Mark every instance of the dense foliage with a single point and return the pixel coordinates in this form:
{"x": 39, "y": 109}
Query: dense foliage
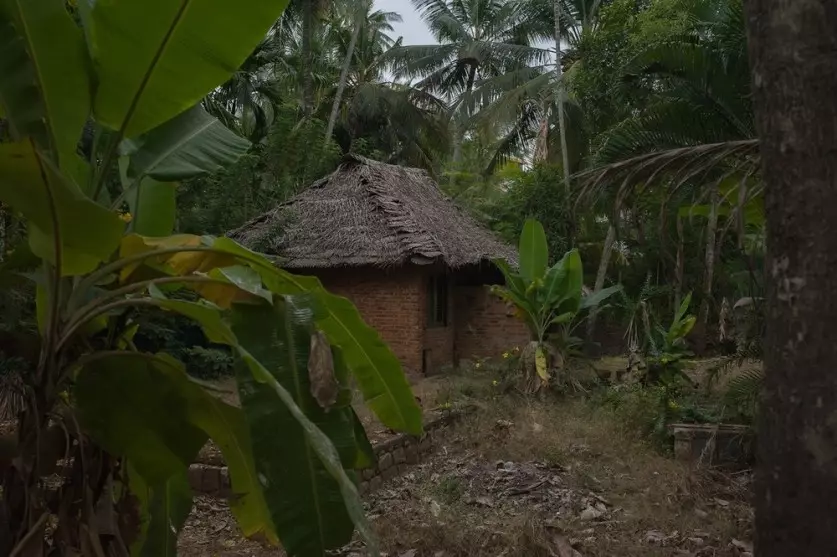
{"x": 105, "y": 419}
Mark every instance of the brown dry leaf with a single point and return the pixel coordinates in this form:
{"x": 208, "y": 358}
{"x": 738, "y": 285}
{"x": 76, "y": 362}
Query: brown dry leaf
{"x": 563, "y": 547}
{"x": 324, "y": 386}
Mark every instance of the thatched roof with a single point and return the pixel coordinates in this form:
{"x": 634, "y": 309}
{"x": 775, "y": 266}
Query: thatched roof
{"x": 371, "y": 213}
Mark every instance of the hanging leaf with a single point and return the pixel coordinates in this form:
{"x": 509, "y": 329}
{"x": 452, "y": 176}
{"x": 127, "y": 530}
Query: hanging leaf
{"x": 324, "y": 387}
{"x": 190, "y": 144}
{"x": 304, "y": 476}
{"x": 534, "y": 254}
{"x": 133, "y": 407}
{"x": 143, "y": 52}
{"x": 164, "y": 508}
{"x": 140, "y": 403}
{"x": 88, "y": 233}
{"x": 44, "y": 79}
{"x": 365, "y": 452}
{"x": 541, "y": 363}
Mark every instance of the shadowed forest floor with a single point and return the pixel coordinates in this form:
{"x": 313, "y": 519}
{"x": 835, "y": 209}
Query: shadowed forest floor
{"x": 531, "y": 478}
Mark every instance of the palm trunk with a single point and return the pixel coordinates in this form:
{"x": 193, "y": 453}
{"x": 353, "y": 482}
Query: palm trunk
{"x": 559, "y": 102}
{"x": 307, "y": 58}
{"x": 679, "y": 265}
{"x": 344, "y": 74}
{"x": 709, "y": 273}
{"x": 601, "y": 274}
{"x": 792, "y": 48}
{"x": 458, "y": 127}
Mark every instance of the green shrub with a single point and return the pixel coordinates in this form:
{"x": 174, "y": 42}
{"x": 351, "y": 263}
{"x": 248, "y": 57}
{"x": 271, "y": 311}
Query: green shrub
{"x": 208, "y": 363}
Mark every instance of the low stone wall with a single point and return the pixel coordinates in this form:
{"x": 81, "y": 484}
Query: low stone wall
{"x": 393, "y": 457}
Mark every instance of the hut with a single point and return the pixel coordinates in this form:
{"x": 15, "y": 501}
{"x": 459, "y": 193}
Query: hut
{"x": 417, "y": 268}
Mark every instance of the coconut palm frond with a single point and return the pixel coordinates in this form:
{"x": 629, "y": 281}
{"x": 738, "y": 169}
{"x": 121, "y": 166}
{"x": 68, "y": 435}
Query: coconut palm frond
{"x": 673, "y": 166}
{"x": 510, "y": 144}
{"x": 744, "y": 390}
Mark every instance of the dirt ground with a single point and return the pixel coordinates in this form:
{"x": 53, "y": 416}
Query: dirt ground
{"x": 521, "y": 478}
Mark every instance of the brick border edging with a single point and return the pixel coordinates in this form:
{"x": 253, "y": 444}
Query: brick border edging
{"x": 392, "y": 458}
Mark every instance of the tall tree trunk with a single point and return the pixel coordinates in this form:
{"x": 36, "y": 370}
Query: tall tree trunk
{"x": 601, "y": 274}
{"x": 708, "y": 273}
{"x": 307, "y": 58}
{"x": 679, "y": 265}
{"x": 360, "y": 21}
{"x": 793, "y": 55}
{"x": 559, "y": 102}
{"x": 459, "y": 116}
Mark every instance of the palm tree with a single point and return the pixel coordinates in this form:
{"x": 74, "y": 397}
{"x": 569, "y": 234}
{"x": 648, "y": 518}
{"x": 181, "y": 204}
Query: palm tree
{"x": 373, "y": 28}
{"x": 534, "y": 99}
{"x": 246, "y": 103}
{"x": 306, "y": 13}
{"x": 477, "y": 39}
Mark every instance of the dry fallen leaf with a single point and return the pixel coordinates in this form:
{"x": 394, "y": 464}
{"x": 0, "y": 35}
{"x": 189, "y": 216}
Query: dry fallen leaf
{"x": 324, "y": 386}
{"x": 564, "y": 548}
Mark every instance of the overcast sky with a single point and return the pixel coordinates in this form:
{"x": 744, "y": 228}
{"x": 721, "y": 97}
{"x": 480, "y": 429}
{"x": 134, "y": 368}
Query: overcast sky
{"x": 413, "y": 29}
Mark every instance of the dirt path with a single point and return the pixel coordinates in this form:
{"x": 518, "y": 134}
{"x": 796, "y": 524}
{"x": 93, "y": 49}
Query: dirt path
{"x": 526, "y": 479}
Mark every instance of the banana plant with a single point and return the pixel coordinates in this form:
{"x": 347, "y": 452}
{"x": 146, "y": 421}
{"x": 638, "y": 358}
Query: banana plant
{"x": 547, "y": 299}
{"x": 96, "y": 90}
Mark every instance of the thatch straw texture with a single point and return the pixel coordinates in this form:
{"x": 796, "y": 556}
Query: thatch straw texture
{"x": 371, "y": 213}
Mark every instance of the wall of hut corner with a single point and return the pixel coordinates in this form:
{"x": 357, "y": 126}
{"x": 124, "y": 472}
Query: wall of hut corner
{"x": 391, "y": 301}
{"x": 485, "y": 325}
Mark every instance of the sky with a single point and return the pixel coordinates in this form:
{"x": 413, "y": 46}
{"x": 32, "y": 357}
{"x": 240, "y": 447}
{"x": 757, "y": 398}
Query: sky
{"x": 413, "y": 29}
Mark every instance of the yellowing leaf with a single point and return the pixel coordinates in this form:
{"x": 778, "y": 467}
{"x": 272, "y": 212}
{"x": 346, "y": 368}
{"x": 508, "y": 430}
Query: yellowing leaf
{"x": 541, "y": 364}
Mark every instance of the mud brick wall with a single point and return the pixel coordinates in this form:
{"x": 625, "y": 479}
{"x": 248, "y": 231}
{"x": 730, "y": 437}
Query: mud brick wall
{"x": 394, "y": 456}
{"x": 391, "y": 301}
{"x": 486, "y": 326}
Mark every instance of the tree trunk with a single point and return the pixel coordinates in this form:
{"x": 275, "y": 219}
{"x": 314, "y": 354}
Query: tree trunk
{"x": 360, "y": 21}
{"x": 679, "y": 266}
{"x": 793, "y": 54}
{"x": 708, "y": 274}
{"x": 562, "y": 125}
{"x": 307, "y": 58}
{"x": 459, "y": 128}
{"x": 601, "y": 274}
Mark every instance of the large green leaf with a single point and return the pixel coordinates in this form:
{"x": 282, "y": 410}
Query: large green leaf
{"x": 513, "y": 280}
{"x": 556, "y": 282}
{"x": 164, "y": 508}
{"x": 133, "y": 406}
{"x": 534, "y": 253}
{"x": 153, "y": 207}
{"x": 227, "y": 427}
{"x": 571, "y": 300}
{"x": 376, "y": 369}
{"x": 189, "y": 145}
{"x": 305, "y": 482}
{"x": 88, "y": 232}
{"x": 157, "y": 58}
{"x": 44, "y": 83}
{"x": 181, "y": 414}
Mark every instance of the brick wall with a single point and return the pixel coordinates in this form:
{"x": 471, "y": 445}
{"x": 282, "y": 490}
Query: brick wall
{"x": 485, "y": 325}
{"x": 391, "y": 301}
